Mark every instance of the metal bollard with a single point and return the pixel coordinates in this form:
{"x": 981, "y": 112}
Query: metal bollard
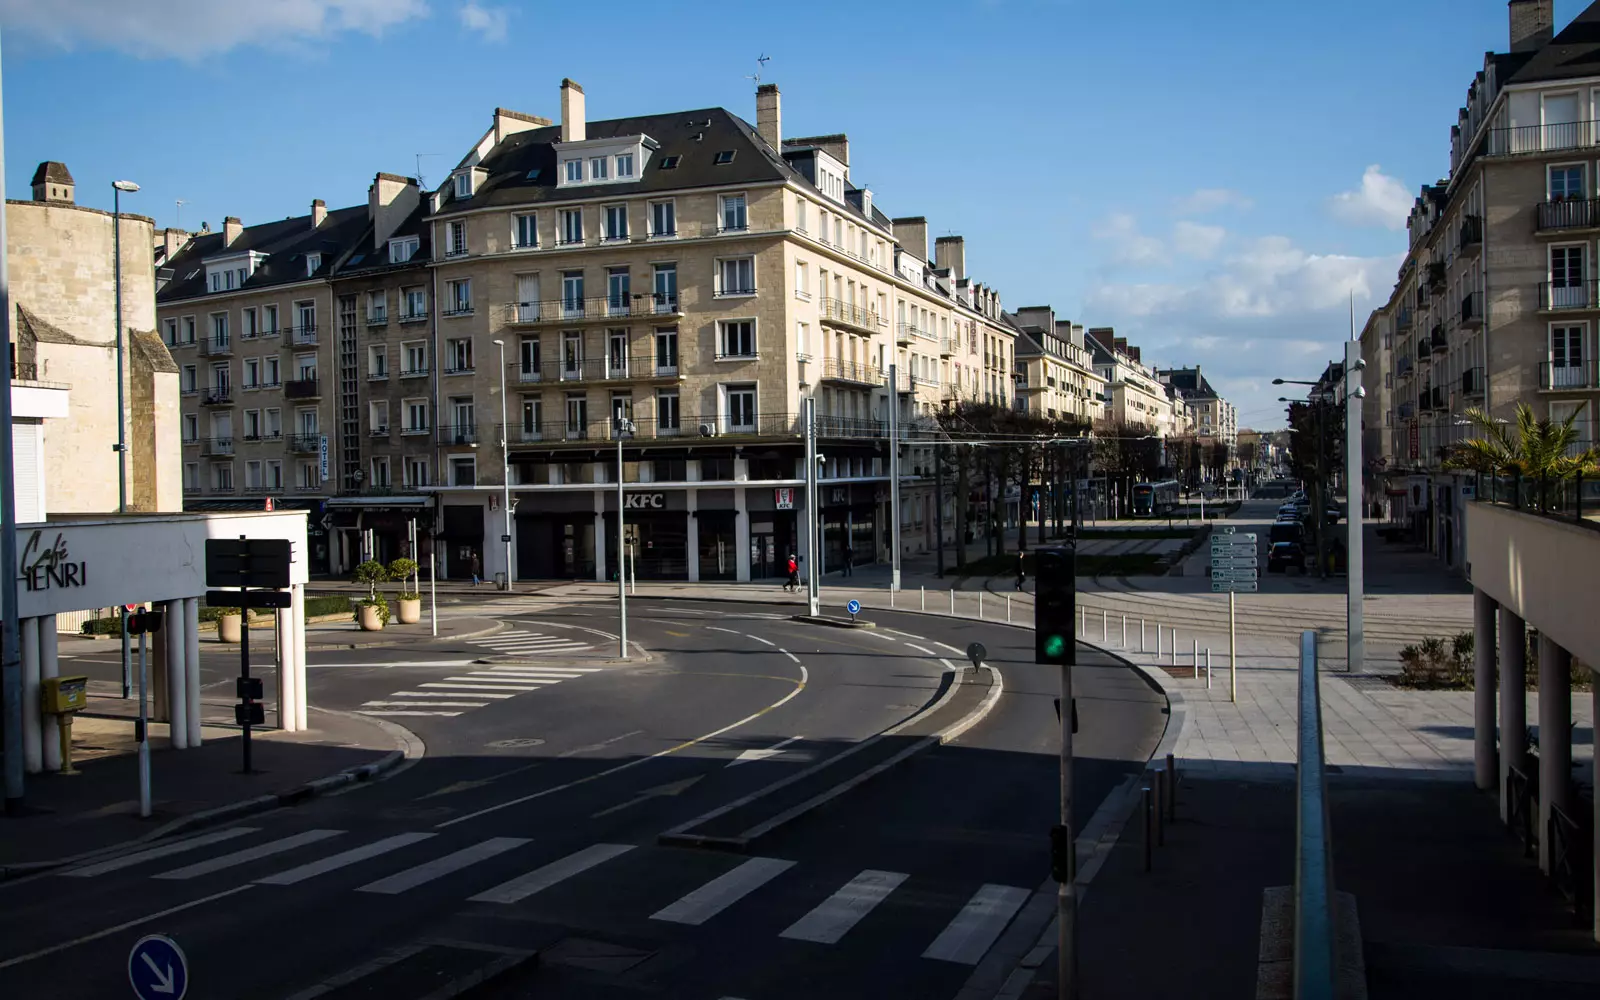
{"x": 1158, "y": 642}
{"x": 952, "y": 601}
{"x": 1161, "y": 806}
{"x": 1141, "y": 635}
{"x": 891, "y": 597}
{"x": 1105, "y": 626}
{"x": 1124, "y": 631}
{"x": 923, "y": 591}
{"x": 1149, "y": 823}
{"x": 1174, "y": 651}
{"x": 980, "y": 605}
{"x": 1172, "y": 788}
{"x": 1194, "y": 658}
{"x": 1208, "y": 668}
{"x": 1008, "y": 609}
{"x": 1083, "y": 620}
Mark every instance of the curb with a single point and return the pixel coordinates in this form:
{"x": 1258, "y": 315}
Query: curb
{"x": 410, "y": 749}
{"x": 831, "y": 622}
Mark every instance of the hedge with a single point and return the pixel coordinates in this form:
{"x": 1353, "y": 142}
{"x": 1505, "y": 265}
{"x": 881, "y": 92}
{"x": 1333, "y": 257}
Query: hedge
{"x": 330, "y": 605}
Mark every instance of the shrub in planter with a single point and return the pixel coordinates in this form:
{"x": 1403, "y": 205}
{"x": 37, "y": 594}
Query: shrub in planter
{"x": 379, "y": 606}
{"x": 410, "y": 599}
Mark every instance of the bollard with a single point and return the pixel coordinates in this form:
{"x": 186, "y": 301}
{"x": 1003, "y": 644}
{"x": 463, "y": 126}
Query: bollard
{"x": 952, "y": 602}
{"x": 1105, "y": 626}
{"x": 1194, "y": 658}
{"x": 1141, "y": 635}
{"x": 1149, "y": 823}
{"x": 1008, "y": 609}
{"x": 1160, "y": 782}
{"x": 891, "y": 597}
{"x": 1124, "y": 631}
{"x": 923, "y": 591}
{"x": 1174, "y": 651}
{"x": 1158, "y": 642}
{"x": 1208, "y": 668}
{"x": 980, "y": 605}
{"x": 1083, "y": 620}
{"x": 1172, "y": 788}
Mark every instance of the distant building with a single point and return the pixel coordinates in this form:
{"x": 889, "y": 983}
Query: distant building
{"x": 1055, "y": 374}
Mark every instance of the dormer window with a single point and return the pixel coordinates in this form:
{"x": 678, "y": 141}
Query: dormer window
{"x": 403, "y": 249}
{"x": 597, "y": 169}
{"x": 725, "y": 156}
{"x": 464, "y": 185}
{"x": 574, "y": 169}
{"x": 313, "y": 263}
{"x": 669, "y": 162}
{"x": 625, "y": 166}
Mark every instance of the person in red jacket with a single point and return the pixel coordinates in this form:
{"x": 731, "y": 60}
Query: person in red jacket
{"x": 793, "y": 583}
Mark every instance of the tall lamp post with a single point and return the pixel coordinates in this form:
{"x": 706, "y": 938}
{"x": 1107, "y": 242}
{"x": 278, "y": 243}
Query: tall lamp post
{"x": 505, "y": 462}
{"x": 117, "y": 187}
{"x": 623, "y": 426}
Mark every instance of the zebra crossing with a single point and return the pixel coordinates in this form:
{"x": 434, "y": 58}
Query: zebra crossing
{"x": 452, "y": 696}
{"x": 522, "y": 642}
{"x": 966, "y": 934}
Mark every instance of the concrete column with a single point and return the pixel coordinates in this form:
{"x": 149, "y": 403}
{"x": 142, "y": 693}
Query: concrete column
{"x": 1555, "y": 738}
{"x": 741, "y": 537}
{"x": 692, "y": 537}
{"x": 49, "y": 666}
{"x": 297, "y": 610}
{"x": 1485, "y": 766}
{"x": 191, "y": 668}
{"x": 173, "y": 666}
{"x": 287, "y": 718}
{"x": 1513, "y": 701}
{"x": 32, "y": 728}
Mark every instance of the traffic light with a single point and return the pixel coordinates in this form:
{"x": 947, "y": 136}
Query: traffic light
{"x": 1054, "y": 605}
{"x": 142, "y": 622}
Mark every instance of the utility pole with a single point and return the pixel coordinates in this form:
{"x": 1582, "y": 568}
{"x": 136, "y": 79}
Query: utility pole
{"x": 10, "y": 619}
{"x": 812, "y": 513}
{"x": 1355, "y": 626}
{"x": 894, "y": 479}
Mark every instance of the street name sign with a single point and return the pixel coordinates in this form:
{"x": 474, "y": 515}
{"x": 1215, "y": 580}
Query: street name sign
{"x": 1237, "y": 587}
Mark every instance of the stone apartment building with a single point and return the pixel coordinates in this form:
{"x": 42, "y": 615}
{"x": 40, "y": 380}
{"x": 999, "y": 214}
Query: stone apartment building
{"x": 688, "y": 273}
{"x": 1495, "y": 303}
{"x": 1137, "y": 396}
{"x": 1210, "y": 417}
{"x": 1055, "y": 373}
{"x": 63, "y": 265}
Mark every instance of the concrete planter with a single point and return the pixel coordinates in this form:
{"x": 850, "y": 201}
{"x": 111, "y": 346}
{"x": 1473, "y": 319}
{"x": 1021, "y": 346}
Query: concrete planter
{"x": 230, "y": 628}
{"x": 410, "y": 611}
{"x": 369, "y": 618}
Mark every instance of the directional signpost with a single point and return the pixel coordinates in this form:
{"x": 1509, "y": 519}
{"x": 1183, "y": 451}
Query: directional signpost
{"x": 1234, "y": 570}
{"x": 157, "y": 969}
{"x": 854, "y": 607}
{"x": 247, "y": 563}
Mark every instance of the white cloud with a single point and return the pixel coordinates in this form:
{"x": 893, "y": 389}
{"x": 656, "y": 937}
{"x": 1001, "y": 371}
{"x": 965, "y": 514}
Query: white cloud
{"x": 1206, "y": 200}
{"x": 194, "y": 29}
{"x": 1128, "y": 244}
{"x": 1194, "y": 240}
{"x": 490, "y": 22}
{"x": 1381, "y": 200}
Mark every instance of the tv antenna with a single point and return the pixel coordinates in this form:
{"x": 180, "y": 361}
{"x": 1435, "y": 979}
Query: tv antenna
{"x": 178, "y": 203}
{"x": 421, "y": 182}
{"x": 761, "y": 64}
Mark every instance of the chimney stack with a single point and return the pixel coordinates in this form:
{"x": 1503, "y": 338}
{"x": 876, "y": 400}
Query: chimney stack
{"x": 319, "y": 211}
{"x": 390, "y": 199}
{"x": 769, "y": 115}
{"x": 572, "y": 113}
{"x": 232, "y": 229}
{"x": 173, "y": 241}
{"x": 911, "y": 232}
{"x": 950, "y": 252}
{"x": 1532, "y": 24}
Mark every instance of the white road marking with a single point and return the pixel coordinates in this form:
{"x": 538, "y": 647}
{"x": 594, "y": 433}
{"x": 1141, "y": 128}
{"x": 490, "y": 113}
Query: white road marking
{"x": 730, "y": 631}
{"x": 540, "y": 879}
{"x": 266, "y": 850}
{"x": 515, "y": 677}
{"x": 453, "y": 693}
{"x": 396, "y": 663}
{"x": 946, "y": 645}
{"x": 757, "y": 638}
{"x": 790, "y": 655}
{"x": 336, "y": 861}
{"x": 947, "y": 664}
{"x": 966, "y": 938}
{"x": 165, "y": 850}
{"x": 423, "y": 704}
{"x": 834, "y": 916}
{"x": 136, "y": 921}
{"x": 488, "y": 684}
{"x": 439, "y": 867}
{"x": 874, "y": 635}
{"x": 723, "y": 891}
{"x": 805, "y": 678}
{"x": 364, "y": 711}
{"x": 762, "y": 754}
{"x": 545, "y": 672}
{"x": 921, "y": 649}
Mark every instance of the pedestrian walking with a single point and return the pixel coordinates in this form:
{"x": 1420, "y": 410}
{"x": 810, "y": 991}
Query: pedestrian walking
{"x": 476, "y": 566}
{"x": 849, "y": 561}
{"x": 793, "y": 583}
{"x": 1022, "y": 569}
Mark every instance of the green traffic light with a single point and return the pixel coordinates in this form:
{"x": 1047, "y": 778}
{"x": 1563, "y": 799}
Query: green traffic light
{"x": 1054, "y": 646}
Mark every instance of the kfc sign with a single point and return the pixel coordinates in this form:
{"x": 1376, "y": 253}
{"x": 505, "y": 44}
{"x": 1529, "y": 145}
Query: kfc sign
{"x": 645, "y": 501}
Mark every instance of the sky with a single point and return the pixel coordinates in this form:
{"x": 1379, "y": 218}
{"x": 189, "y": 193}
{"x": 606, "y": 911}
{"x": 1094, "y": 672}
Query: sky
{"x": 1214, "y": 179}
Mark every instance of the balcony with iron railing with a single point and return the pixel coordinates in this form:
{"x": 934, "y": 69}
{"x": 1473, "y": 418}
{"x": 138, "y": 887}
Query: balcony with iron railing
{"x": 1424, "y": 351}
{"x": 420, "y": 316}
{"x": 1555, "y": 137}
{"x": 415, "y": 372}
{"x": 302, "y": 388}
{"x": 450, "y": 434}
{"x": 304, "y": 444}
{"x": 598, "y": 307}
{"x": 302, "y": 336}
{"x": 377, "y": 317}
{"x": 276, "y": 435}
{"x": 1438, "y": 400}
{"x": 1407, "y": 410}
{"x": 1425, "y": 399}
{"x": 219, "y": 346}
{"x": 1437, "y": 340}
{"x": 1472, "y": 310}
{"x": 216, "y": 447}
{"x": 1471, "y": 240}
{"x": 380, "y": 431}
{"x": 1559, "y": 376}
{"x": 415, "y": 430}
{"x": 851, "y": 372}
{"x": 1567, "y": 296}
{"x": 1403, "y": 320}
{"x": 847, "y": 314}
{"x": 1436, "y": 278}
{"x": 645, "y": 367}
{"x": 217, "y": 395}
{"x": 1404, "y": 367}
{"x": 454, "y": 309}
{"x": 1472, "y": 382}
{"x": 1567, "y": 214}
{"x": 949, "y": 347}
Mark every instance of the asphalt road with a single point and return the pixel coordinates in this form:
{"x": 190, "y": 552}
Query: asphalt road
{"x": 532, "y": 824}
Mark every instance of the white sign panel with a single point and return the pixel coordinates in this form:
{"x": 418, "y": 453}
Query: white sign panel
{"x": 1233, "y": 574}
{"x": 1228, "y": 562}
{"x": 73, "y": 565}
{"x": 1240, "y": 538}
{"x": 323, "y": 450}
{"x": 1219, "y": 587}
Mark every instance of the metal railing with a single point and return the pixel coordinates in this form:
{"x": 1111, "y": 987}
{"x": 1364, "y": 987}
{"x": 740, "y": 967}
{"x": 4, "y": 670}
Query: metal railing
{"x": 303, "y": 335}
{"x": 216, "y": 446}
{"x": 413, "y": 317}
{"x": 301, "y": 388}
{"x": 854, "y": 372}
{"x": 216, "y": 346}
{"x": 1568, "y": 295}
{"x": 1571, "y": 375}
{"x": 1472, "y": 309}
{"x": 1436, "y": 338}
{"x": 1471, "y": 232}
{"x": 705, "y": 426}
{"x": 849, "y": 314}
{"x": 1316, "y": 938}
{"x": 218, "y": 395}
{"x": 1542, "y": 138}
{"x": 565, "y": 310}
{"x": 638, "y": 366}
{"x": 305, "y": 443}
{"x": 1472, "y": 382}
{"x": 1404, "y": 366}
{"x": 1571, "y": 858}
{"x": 458, "y": 433}
{"x": 378, "y": 317}
{"x": 1403, "y": 319}
{"x": 1569, "y": 213}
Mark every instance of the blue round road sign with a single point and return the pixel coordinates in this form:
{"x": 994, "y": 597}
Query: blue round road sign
{"x": 157, "y": 969}
{"x": 854, "y": 607}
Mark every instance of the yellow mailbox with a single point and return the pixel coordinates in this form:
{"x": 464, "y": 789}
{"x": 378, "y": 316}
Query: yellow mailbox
{"x": 63, "y": 696}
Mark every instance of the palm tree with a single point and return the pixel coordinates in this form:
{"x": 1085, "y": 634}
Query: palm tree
{"x": 1538, "y": 450}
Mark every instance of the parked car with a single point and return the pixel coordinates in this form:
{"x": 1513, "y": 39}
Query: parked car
{"x": 1286, "y": 546}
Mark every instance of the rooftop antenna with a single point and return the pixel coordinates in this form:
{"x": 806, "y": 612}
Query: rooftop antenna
{"x": 761, "y": 64}
{"x": 421, "y": 181}
{"x": 179, "y": 203}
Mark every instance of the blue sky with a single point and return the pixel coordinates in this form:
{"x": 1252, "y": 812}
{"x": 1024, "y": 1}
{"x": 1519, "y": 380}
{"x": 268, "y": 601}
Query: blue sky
{"x": 1213, "y": 179}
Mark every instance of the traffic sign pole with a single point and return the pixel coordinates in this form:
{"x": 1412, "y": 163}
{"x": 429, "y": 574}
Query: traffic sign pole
{"x": 144, "y": 721}
{"x": 1233, "y": 653}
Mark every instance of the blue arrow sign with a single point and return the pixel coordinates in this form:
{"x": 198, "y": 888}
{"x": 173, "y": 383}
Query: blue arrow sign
{"x": 854, "y": 607}
{"x": 157, "y": 969}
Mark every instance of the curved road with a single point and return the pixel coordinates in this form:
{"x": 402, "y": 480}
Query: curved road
{"x": 532, "y": 824}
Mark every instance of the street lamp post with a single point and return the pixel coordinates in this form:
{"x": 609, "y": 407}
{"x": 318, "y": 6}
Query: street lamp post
{"x": 505, "y": 462}
{"x": 117, "y": 187}
{"x": 894, "y": 478}
{"x": 623, "y": 426}
{"x": 10, "y": 648}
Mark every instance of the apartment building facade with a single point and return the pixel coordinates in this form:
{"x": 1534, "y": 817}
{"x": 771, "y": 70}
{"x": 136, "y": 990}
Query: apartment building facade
{"x": 1208, "y": 416}
{"x": 1495, "y": 303}
{"x": 1136, "y": 395}
{"x": 1055, "y": 373}
{"x": 686, "y": 277}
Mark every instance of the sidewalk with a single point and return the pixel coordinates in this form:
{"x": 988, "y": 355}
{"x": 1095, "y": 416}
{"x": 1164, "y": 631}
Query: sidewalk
{"x": 69, "y": 815}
